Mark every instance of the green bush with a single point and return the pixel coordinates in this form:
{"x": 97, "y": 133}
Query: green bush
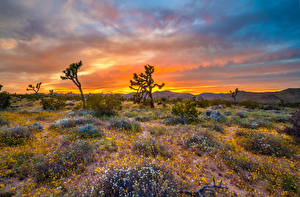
{"x": 18, "y": 163}
{"x": 87, "y": 131}
{"x": 150, "y": 147}
{"x": 52, "y": 104}
{"x": 105, "y": 105}
{"x": 4, "y": 100}
{"x": 186, "y": 111}
{"x": 124, "y": 125}
{"x": 15, "y": 136}
{"x": 202, "y": 142}
{"x": 295, "y": 129}
{"x": 265, "y": 144}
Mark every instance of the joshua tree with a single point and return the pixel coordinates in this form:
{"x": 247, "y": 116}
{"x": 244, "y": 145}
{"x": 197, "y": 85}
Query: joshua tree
{"x": 138, "y": 85}
{"x": 71, "y": 74}
{"x": 234, "y": 94}
{"x": 143, "y": 83}
{"x": 1, "y": 86}
{"x": 36, "y": 89}
{"x": 51, "y": 92}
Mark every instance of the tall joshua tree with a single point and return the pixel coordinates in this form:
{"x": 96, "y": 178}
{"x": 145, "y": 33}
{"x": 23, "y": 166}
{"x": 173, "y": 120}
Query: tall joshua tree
{"x": 70, "y": 73}
{"x": 35, "y": 88}
{"x": 234, "y": 94}
{"x": 143, "y": 83}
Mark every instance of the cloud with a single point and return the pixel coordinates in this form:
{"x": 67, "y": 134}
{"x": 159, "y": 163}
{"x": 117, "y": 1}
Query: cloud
{"x": 199, "y": 46}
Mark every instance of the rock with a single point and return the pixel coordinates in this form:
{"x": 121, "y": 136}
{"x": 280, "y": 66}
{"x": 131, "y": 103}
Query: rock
{"x": 214, "y": 115}
{"x": 215, "y": 107}
{"x": 241, "y": 114}
{"x": 227, "y": 113}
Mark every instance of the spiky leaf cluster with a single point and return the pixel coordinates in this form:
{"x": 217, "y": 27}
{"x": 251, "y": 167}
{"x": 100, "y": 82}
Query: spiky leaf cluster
{"x": 35, "y": 88}
{"x": 71, "y": 73}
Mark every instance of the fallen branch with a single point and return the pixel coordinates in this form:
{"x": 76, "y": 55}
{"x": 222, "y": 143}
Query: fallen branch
{"x": 207, "y": 188}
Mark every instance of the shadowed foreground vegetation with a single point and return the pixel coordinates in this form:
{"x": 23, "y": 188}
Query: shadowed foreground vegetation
{"x": 50, "y": 147}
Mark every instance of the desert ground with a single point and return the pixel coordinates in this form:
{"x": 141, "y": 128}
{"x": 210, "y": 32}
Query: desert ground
{"x": 134, "y": 150}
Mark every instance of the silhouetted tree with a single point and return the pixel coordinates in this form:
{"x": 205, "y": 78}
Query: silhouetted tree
{"x": 51, "y": 92}
{"x": 143, "y": 83}
{"x": 71, "y": 74}
{"x": 138, "y": 85}
{"x": 1, "y": 86}
{"x": 36, "y": 89}
{"x": 234, "y": 94}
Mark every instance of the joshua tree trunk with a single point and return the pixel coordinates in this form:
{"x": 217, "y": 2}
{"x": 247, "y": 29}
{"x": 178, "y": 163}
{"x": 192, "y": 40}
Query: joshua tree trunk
{"x": 151, "y": 98}
{"x": 82, "y": 97}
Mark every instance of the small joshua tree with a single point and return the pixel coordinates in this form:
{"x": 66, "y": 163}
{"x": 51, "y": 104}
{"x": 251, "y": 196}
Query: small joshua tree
{"x": 234, "y": 94}
{"x": 1, "y": 86}
{"x": 143, "y": 83}
{"x": 51, "y": 92}
{"x": 35, "y": 88}
{"x": 71, "y": 74}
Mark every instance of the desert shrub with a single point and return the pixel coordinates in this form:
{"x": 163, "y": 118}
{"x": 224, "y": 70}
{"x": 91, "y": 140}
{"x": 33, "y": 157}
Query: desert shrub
{"x": 175, "y": 120}
{"x": 69, "y": 158}
{"x": 88, "y": 131}
{"x": 35, "y": 127}
{"x": 202, "y": 103}
{"x": 105, "y": 105}
{"x": 71, "y": 122}
{"x": 4, "y": 100}
{"x": 142, "y": 119}
{"x": 202, "y": 142}
{"x": 239, "y": 162}
{"x": 217, "y": 127}
{"x": 143, "y": 180}
{"x": 131, "y": 114}
{"x": 157, "y": 131}
{"x": 16, "y": 164}
{"x": 150, "y": 147}
{"x": 3, "y": 121}
{"x": 295, "y": 129}
{"x": 124, "y": 125}
{"x": 265, "y": 144}
{"x": 52, "y": 104}
{"x": 15, "y": 136}
{"x": 186, "y": 111}
{"x": 249, "y": 104}
{"x": 251, "y": 123}
{"x": 289, "y": 183}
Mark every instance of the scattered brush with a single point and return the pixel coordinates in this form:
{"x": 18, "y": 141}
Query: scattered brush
{"x": 88, "y": 130}
{"x": 124, "y": 125}
{"x": 145, "y": 180}
{"x": 175, "y": 121}
{"x": 202, "y": 143}
{"x": 150, "y": 147}
{"x": 265, "y": 144}
{"x": 18, "y": 135}
{"x": 68, "y": 158}
{"x": 295, "y": 129}
{"x": 71, "y": 122}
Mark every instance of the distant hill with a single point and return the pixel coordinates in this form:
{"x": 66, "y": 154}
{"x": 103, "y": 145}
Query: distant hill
{"x": 291, "y": 95}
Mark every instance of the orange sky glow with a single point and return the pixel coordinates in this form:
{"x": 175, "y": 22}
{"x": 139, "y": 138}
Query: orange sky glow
{"x": 195, "y": 46}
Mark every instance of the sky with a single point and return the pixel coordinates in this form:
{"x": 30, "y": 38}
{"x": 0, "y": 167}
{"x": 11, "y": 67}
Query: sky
{"x": 196, "y": 46}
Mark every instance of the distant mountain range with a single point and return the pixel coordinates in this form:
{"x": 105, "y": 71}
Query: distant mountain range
{"x": 291, "y": 95}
